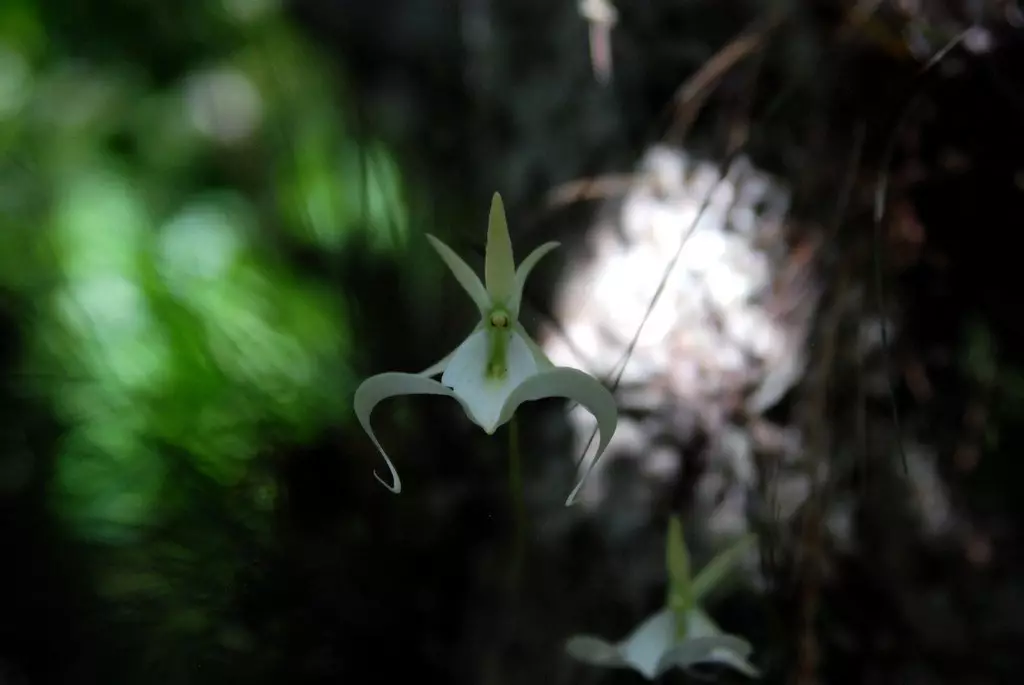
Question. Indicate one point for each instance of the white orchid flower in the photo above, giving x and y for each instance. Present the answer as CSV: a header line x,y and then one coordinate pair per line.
x,y
498,367
680,635
652,648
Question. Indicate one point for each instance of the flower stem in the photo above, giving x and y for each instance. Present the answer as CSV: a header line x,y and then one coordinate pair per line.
x,y
515,482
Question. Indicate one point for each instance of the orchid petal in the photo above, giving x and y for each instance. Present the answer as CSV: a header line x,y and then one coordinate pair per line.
x,y
642,650
523,272
651,649
699,624
718,649
595,651
718,568
499,264
376,389
469,281
574,385
727,650
485,397
542,360
648,643
440,366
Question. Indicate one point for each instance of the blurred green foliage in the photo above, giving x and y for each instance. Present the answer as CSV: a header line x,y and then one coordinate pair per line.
x,y
147,213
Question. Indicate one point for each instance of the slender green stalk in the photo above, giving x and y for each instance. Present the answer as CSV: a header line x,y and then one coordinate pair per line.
x,y
515,483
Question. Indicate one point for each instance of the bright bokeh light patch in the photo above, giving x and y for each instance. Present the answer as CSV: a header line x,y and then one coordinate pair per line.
x,y
99,225
170,345
111,317
335,190
181,335
223,105
154,186
199,245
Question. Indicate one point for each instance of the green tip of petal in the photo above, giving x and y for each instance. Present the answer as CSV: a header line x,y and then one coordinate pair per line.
x,y
499,266
719,568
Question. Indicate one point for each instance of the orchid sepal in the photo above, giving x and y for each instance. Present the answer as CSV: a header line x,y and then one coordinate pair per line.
x,y
469,281
523,272
580,387
499,262
376,389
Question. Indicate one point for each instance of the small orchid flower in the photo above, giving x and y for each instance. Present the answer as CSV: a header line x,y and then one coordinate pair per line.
x,y
680,635
498,367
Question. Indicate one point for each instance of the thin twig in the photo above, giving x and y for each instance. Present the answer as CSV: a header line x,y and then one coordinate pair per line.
x,y
705,203
515,484
690,97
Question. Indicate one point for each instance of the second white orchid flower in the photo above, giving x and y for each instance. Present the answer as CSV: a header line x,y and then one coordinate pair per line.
x,y
498,367
680,634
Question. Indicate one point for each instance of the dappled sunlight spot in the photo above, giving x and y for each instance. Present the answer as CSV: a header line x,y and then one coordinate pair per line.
x,y
264,332
314,196
332,189
249,348
160,331
111,318
221,442
223,104
717,332
100,225
197,247
245,11
104,305
113,429
237,328
15,81
385,209
630,277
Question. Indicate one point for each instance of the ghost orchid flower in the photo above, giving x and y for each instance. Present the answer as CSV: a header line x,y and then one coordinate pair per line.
x,y
498,367
680,634
652,648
